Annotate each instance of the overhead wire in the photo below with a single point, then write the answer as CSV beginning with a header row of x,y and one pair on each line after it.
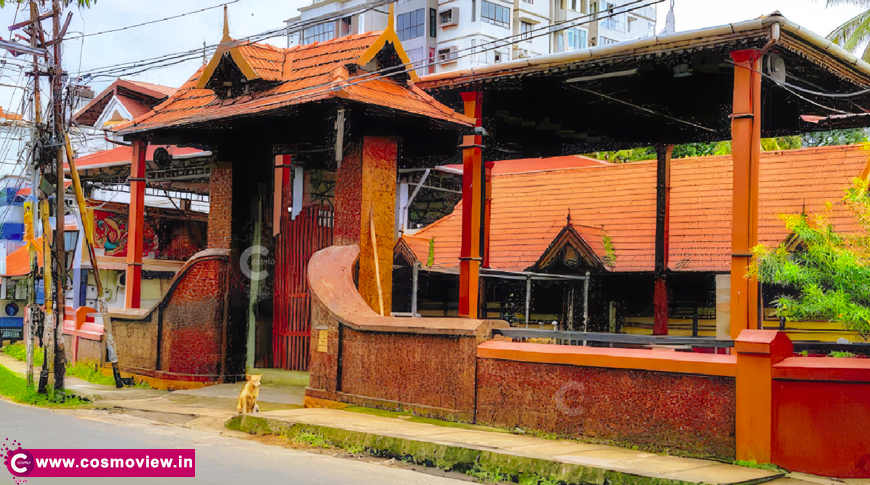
x,y
119,29
392,71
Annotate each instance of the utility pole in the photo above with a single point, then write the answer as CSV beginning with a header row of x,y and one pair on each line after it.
x,y
58,142
34,314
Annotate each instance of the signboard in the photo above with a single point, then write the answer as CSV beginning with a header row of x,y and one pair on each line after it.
x,y
11,334
322,337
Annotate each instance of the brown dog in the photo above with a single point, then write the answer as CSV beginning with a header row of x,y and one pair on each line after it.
x,y
248,396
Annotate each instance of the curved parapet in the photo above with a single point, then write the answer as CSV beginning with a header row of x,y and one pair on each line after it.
x,y
426,365
180,338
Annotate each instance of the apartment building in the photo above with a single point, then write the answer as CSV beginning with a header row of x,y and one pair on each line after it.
x,y
444,35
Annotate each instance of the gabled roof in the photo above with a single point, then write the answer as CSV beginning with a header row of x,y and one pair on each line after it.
x,y
301,74
583,248
529,209
136,96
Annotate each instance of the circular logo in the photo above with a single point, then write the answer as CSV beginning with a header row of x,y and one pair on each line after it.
x,y
569,397
254,271
20,463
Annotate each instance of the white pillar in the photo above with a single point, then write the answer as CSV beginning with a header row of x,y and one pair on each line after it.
x,y
723,306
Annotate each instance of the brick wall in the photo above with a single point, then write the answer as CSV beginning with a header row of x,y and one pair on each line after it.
x,y
220,215
348,197
428,370
193,321
660,410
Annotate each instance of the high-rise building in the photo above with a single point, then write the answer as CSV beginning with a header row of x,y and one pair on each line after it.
x,y
458,34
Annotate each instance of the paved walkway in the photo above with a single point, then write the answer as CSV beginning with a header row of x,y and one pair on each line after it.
x,y
590,455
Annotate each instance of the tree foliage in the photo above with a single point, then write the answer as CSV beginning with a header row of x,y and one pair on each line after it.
x,y
854,32
827,273
694,150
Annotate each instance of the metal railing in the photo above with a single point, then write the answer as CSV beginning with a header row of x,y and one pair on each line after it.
x,y
598,339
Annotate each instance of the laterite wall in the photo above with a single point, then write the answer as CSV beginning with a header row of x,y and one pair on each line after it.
x,y
429,370
690,413
193,320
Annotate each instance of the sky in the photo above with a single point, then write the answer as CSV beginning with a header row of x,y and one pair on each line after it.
x,y
248,17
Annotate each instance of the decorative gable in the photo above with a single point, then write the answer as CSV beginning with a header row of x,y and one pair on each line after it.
x,y
572,250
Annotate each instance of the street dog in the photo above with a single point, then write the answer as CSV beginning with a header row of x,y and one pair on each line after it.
x,y
248,396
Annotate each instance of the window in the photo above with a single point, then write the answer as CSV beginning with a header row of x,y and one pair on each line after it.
x,y
529,1
446,18
432,30
576,39
448,55
495,14
411,25
418,59
318,33
560,42
344,25
525,30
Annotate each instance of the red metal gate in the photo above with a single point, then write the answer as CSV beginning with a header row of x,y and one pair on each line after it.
x,y
298,240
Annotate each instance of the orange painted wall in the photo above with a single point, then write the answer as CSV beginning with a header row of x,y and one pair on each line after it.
x,y
821,416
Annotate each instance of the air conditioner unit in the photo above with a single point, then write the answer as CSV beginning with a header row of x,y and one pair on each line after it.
x,y
447,18
448,54
523,53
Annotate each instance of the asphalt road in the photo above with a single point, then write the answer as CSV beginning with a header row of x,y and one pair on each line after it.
x,y
219,459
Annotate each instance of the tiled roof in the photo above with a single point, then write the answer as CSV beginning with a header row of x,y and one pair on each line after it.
x,y
301,74
89,114
529,210
504,167
123,155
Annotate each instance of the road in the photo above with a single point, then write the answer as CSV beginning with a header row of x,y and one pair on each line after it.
x,y
220,459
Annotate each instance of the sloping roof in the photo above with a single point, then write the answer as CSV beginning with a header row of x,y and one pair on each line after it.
x,y
300,74
152,92
524,165
123,155
529,210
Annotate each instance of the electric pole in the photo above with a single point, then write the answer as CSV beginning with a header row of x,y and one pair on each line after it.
x,y
58,143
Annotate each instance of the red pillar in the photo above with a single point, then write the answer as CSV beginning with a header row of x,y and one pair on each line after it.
x,y
746,151
473,193
663,209
136,225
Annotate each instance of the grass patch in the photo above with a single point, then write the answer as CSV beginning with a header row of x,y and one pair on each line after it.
x,y
19,351
88,370
16,388
761,466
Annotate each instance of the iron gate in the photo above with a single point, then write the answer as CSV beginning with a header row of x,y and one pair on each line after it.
x,y
298,240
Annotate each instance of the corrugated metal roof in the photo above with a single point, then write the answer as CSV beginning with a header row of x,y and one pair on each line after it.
x,y
530,209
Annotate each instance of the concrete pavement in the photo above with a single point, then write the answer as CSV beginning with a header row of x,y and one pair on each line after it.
x,y
221,457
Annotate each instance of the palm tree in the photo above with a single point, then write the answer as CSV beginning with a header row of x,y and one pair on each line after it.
x,y
855,31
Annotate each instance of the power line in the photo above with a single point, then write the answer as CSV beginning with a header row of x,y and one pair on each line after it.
x,y
393,70
153,21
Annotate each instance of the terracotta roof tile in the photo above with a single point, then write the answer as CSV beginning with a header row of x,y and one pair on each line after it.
x,y
530,209
301,74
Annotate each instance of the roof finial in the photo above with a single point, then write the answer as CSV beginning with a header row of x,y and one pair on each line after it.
x,y
569,216
227,37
